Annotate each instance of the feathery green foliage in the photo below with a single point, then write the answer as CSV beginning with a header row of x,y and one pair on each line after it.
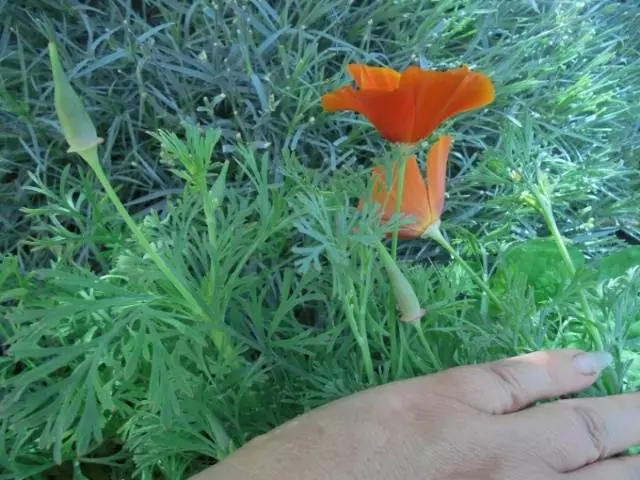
x,y
273,300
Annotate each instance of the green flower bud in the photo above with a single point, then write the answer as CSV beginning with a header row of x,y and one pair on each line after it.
x,y
405,296
77,127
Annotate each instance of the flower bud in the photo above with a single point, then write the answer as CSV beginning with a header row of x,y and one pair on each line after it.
x,y
406,298
77,127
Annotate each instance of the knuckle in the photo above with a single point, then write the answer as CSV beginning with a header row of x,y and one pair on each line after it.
x,y
507,378
594,428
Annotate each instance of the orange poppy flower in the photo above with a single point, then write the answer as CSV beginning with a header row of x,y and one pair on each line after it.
x,y
408,107
423,197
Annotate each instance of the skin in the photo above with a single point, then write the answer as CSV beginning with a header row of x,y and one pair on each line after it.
x,y
467,423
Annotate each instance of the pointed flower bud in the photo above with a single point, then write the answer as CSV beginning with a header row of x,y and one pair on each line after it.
x,y
77,127
406,297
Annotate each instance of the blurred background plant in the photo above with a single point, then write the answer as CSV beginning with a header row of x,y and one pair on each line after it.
x,y
108,373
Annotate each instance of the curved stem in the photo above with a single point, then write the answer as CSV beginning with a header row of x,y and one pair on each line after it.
x,y
139,236
397,348
434,233
398,206
547,213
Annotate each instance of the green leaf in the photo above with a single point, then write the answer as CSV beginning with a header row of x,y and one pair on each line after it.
x,y
195,152
89,433
46,369
616,264
13,294
542,265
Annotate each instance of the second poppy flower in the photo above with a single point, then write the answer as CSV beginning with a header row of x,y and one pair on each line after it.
x,y
423,196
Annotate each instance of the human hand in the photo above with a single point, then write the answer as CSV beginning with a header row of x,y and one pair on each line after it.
x,y
465,423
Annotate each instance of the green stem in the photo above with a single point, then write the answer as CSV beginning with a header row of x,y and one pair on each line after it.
x,y
435,361
396,347
367,262
359,330
547,213
139,236
398,206
366,351
434,233
211,233
208,212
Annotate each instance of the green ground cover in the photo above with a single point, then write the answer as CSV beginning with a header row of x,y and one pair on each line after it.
x,y
111,371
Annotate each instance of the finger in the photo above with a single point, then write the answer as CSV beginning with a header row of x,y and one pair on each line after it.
x,y
570,434
512,384
624,468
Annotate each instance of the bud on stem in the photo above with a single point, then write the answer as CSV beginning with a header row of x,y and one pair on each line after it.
x,y
76,124
405,296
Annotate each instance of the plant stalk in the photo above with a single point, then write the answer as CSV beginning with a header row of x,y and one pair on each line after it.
x,y
547,213
137,233
434,233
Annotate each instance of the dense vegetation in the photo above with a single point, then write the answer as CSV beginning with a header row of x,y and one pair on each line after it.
x,y
240,184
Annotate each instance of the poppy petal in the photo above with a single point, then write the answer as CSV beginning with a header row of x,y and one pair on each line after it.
x,y
375,79
436,175
414,199
438,96
344,98
391,113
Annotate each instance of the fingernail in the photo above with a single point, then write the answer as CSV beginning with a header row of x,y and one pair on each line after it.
x,y
592,363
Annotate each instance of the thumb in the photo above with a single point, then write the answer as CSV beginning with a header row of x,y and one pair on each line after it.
x,y
512,384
